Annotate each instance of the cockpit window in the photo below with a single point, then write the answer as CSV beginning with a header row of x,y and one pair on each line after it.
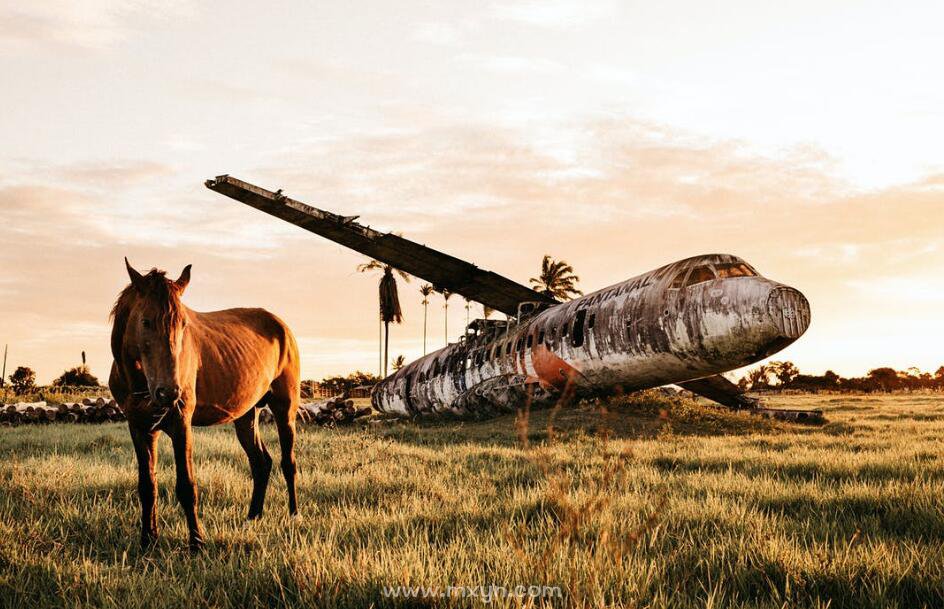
x,y
734,270
700,274
706,272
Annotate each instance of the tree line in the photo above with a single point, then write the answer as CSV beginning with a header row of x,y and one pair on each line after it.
x,y
785,375
23,379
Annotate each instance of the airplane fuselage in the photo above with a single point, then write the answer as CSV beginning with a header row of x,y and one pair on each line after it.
x,y
687,320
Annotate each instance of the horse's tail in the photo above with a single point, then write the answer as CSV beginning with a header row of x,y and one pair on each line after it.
x,y
289,358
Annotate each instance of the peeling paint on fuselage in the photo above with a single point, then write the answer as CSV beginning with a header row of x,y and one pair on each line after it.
x,y
637,334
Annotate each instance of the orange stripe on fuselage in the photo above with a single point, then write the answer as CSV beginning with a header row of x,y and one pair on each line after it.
x,y
552,371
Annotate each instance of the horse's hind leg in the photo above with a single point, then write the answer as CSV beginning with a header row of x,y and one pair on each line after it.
x,y
283,402
260,463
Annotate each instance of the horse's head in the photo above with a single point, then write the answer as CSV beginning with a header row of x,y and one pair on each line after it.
x,y
155,334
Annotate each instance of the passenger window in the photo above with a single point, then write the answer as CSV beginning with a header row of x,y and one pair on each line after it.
x,y
530,340
508,348
579,319
541,338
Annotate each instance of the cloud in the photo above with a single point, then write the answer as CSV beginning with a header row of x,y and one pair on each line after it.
x,y
612,74
509,64
115,174
98,203
616,167
913,289
438,33
90,23
553,13
41,212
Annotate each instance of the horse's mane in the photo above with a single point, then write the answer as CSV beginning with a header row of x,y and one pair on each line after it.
x,y
154,287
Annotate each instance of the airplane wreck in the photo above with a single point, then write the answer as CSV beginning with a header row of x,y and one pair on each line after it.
x,y
682,324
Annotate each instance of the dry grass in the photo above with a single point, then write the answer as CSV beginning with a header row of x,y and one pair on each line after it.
x,y
650,502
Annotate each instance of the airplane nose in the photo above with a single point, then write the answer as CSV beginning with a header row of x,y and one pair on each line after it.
x,y
790,311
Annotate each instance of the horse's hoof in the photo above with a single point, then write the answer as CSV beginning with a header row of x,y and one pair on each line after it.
x,y
197,545
147,541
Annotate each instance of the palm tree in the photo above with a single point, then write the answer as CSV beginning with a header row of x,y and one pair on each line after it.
x,y
398,362
425,290
468,310
557,279
487,311
390,310
446,294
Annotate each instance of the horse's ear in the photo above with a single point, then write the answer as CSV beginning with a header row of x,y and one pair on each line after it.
x,y
136,279
184,279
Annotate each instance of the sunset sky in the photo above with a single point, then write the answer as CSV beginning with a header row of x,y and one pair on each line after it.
x,y
806,137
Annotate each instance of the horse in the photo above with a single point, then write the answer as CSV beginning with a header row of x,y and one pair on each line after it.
x,y
175,368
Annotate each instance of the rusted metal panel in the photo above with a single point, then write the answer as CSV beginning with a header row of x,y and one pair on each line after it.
x,y
442,270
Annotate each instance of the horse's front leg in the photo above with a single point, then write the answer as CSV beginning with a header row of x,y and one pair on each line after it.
x,y
145,448
182,437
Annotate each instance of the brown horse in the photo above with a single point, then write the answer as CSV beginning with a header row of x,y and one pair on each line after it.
x,y
175,368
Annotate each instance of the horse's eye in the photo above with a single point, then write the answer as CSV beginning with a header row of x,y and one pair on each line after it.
x,y
146,346
146,323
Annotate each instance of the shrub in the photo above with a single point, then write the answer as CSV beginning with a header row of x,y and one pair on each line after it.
x,y
80,376
23,380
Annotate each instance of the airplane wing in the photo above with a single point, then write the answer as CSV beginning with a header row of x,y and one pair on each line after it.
x,y
445,272
721,390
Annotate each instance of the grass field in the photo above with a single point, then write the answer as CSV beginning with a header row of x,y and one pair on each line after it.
x,y
631,508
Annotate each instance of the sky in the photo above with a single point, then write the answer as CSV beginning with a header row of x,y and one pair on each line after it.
x,y
806,137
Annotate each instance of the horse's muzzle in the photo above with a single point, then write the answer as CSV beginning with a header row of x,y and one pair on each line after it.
x,y
166,396
160,413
